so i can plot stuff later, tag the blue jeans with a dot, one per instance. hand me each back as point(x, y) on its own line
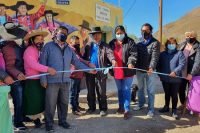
point(124, 92)
point(146, 81)
point(75, 90)
point(17, 96)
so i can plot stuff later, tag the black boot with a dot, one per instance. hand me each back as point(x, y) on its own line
point(164, 109)
point(37, 123)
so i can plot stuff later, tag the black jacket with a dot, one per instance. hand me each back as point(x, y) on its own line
point(193, 60)
point(129, 55)
point(105, 56)
point(148, 55)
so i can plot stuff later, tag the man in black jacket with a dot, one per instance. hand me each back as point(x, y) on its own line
point(148, 56)
point(98, 53)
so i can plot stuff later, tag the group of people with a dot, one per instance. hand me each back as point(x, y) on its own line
point(24, 56)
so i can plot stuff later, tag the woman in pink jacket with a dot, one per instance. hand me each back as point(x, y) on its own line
point(34, 93)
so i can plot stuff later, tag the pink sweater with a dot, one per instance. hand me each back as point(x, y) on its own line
point(31, 62)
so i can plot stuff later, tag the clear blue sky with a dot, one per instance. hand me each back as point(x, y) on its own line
point(144, 11)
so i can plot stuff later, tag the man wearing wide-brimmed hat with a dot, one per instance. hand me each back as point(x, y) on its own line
point(23, 18)
point(98, 53)
point(34, 93)
point(13, 55)
point(3, 16)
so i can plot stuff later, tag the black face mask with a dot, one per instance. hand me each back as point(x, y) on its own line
point(146, 35)
point(39, 45)
point(77, 47)
point(190, 40)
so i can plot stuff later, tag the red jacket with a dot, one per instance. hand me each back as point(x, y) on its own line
point(13, 56)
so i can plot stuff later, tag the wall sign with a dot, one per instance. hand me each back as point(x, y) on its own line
point(102, 13)
point(62, 2)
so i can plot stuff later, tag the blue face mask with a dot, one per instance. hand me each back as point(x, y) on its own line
point(171, 47)
point(61, 37)
point(120, 37)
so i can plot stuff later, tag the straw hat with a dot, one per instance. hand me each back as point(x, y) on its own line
point(35, 33)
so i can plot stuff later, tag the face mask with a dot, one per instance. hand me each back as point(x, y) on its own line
point(61, 37)
point(190, 40)
point(39, 45)
point(171, 47)
point(120, 37)
point(146, 35)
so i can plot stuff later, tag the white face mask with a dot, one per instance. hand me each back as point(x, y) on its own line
point(120, 37)
point(19, 41)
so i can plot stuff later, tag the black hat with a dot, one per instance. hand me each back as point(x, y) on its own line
point(50, 12)
point(19, 3)
point(85, 24)
point(96, 30)
point(1, 4)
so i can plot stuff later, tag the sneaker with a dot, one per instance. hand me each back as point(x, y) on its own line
point(150, 114)
point(103, 113)
point(174, 114)
point(20, 127)
point(49, 129)
point(81, 109)
point(120, 111)
point(127, 115)
point(77, 113)
point(137, 108)
point(65, 125)
point(37, 123)
point(164, 109)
